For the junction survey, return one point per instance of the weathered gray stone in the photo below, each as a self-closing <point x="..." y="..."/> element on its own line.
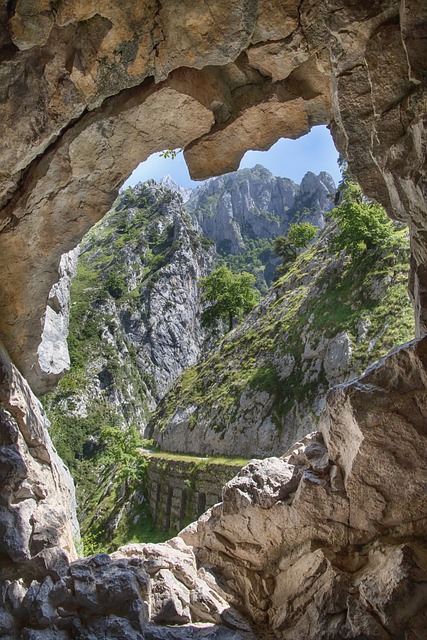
<point x="53" y="357"/>
<point x="38" y="503"/>
<point x="252" y="204"/>
<point x="174" y="555"/>
<point x="337" y="358"/>
<point x="335" y="512"/>
<point x="43" y="634"/>
<point x="52" y="561"/>
<point x="170" y="600"/>
<point x="105" y="586"/>
<point x="113" y="628"/>
<point x="198" y="631"/>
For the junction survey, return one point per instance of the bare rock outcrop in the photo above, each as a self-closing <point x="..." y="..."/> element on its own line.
<point x="141" y="591"/>
<point x="251" y="204"/>
<point x="329" y="541"/>
<point x="92" y="598"/>
<point x="38" y="524"/>
<point x="53" y="359"/>
<point x="182" y="593"/>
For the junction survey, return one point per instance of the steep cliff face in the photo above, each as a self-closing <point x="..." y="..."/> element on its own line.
<point x="38" y="520"/>
<point x="243" y="211"/>
<point x="53" y="359"/>
<point x="252" y="203"/>
<point x="135" y="310"/>
<point x="264" y="385"/>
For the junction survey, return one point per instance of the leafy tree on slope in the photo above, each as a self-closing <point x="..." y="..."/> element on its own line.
<point x="288" y="247"/>
<point x="228" y="295"/>
<point x="362" y="225"/>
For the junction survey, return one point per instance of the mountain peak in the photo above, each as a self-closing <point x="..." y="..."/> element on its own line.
<point x="169" y="183"/>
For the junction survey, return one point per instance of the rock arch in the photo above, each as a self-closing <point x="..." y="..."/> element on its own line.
<point x="90" y="89"/>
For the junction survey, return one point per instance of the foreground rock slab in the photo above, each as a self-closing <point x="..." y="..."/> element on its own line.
<point x="330" y="540"/>
<point x="38" y="524"/>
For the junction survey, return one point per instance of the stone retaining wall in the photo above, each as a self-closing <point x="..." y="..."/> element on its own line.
<point x="180" y="491"/>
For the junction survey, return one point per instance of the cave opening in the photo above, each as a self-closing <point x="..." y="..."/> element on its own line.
<point x="141" y="358"/>
<point x="114" y="383"/>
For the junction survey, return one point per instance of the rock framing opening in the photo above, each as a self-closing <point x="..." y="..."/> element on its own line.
<point x="84" y="114"/>
<point x="86" y="92"/>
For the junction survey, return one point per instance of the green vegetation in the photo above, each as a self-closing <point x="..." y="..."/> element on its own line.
<point x="257" y="254"/>
<point x="170" y="153"/>
<point x="198" y="460"/>
<point x="321" y="295"/>
<point x="362" y="225"/>
<point x="288" y="247"/>
<point x="301" y="233"/>
<point x="229" y="296"/>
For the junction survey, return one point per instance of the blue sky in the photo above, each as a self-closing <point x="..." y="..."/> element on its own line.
<point x="287" y="158"/>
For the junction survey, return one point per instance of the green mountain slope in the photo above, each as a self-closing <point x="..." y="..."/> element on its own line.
<point x="134" y="327"/>
<point x="264" y="385"/>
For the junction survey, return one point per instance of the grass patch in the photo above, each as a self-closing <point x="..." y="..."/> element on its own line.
<point x="193" y="459"/>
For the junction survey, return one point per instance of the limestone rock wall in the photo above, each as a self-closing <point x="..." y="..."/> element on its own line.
<point x="252" y="204"/>
<point x="91" y="91"/>
<point x="327" y="542"/>
<point x="53" y="359"/>
<point x="38" y="521"/>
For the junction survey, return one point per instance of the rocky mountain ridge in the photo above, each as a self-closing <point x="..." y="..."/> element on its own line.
<point x="243" y="211"/>
<point x="254" y="204"/>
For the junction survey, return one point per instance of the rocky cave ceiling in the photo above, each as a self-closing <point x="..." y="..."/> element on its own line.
<point x="89" y="89"/>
